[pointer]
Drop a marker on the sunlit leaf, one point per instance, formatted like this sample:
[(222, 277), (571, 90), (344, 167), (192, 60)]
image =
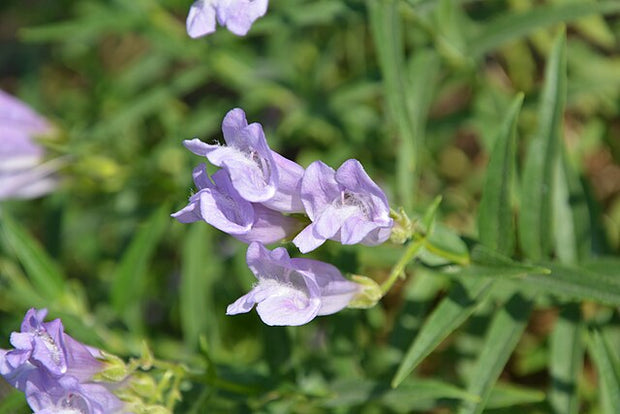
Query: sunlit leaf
[(502, 337), (535, 219)]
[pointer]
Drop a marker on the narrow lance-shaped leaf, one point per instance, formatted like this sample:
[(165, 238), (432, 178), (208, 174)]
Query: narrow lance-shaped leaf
[(566, 360), (538, 174), (512, 26), (576, 283), (505, 395), (572, 232), (607, 367), (387, 35), (346, 393), (451, 312), (198, 269), (502, 337), (128, 282), (495, 216), (41, 269)]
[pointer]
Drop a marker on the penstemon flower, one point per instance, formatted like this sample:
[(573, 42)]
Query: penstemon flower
[(54, 370), (259, 174), (220, 205), (22, 173), (236, 15), (344, 205), (292, 291)]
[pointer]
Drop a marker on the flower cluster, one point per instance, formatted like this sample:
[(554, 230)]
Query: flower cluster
[(55, 371), (257, 196), (22, 173), (236, 15)]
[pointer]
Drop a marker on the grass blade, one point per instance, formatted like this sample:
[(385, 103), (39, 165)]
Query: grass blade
[(566, 349), (129, 280), (445, 318), (502, 337), (346, 393), (195, 279), (577, 283), (607, 366), (507, 395), (387, 36), (513, 26), (538, 173), (572, 231), (495, 215), (43, 272)]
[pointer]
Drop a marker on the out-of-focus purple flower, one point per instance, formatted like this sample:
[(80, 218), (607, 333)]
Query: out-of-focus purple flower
[(54, 370), (259, 174), (344, 205), (292, 291), (22, 174), (220, 205), (236, 15)]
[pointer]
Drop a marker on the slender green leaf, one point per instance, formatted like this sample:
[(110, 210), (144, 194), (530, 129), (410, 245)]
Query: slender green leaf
[(608, 373), (502, 337), (507, 395), (196, 309), (494, 271), (495, 215), (566, 360), (423, 75), (445, 318), (535, 213), (606, 265), (577, 283), (512, 26), (129, 280), (11, 400), (355, 392), (387, 36), (41, 269), (571, 216), (489, 263)]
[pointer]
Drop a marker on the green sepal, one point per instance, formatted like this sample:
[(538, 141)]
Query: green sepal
[(369, 294)]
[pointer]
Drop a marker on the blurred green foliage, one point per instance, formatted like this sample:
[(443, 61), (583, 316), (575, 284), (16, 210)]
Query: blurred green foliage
[(422, 93)]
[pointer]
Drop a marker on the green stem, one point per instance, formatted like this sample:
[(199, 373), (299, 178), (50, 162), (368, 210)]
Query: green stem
[(399, 268), (459, 260), (412, 250)]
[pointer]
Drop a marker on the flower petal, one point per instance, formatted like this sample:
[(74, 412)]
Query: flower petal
[(287, 197), (336, 292), (288, 306), (201, 19), (269, 226), (239, 16), (308, 239), (318, 188)]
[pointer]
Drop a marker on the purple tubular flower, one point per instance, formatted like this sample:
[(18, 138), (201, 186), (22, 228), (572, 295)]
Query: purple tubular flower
[(22, 174), (55, 370), (236, 15), (344, 205), (220, 205), (292, 291), (67, 395), (258, 174)]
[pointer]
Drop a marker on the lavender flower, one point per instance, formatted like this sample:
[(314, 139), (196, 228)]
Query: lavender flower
[(236, 15), (54, 370), (220, 205), (22, 174), (344, 205), (258, 174), (292, 291)]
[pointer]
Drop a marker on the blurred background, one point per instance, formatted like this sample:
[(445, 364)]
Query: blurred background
[(124, 85)]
